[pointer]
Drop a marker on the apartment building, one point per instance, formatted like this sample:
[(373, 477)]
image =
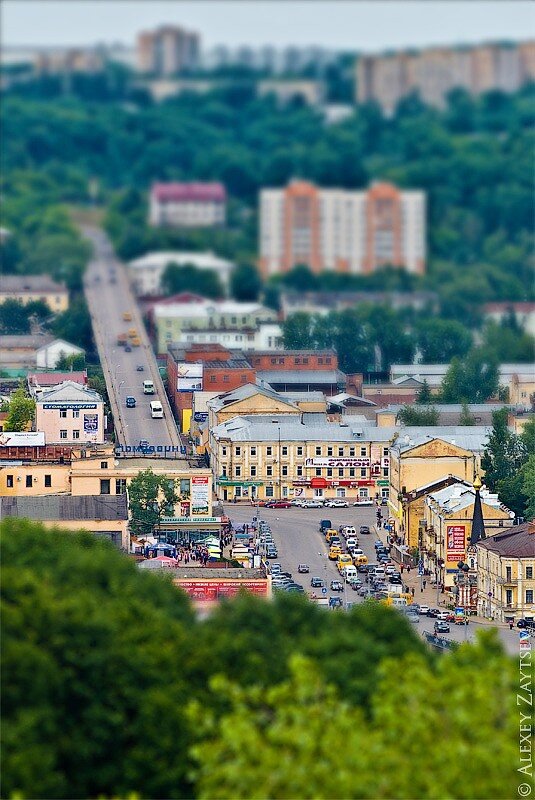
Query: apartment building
[(505, 574), (32, 288), (70, 413), (187, 205), (168, 50), (436, 71), (338, 230)]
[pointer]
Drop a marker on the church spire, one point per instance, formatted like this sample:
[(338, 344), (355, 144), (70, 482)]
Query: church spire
[(478, 525)]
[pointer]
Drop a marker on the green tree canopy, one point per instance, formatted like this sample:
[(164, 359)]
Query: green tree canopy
[(439, 340), (245, 283), (183, 278), (150, 498), (473, 379), (21, 411), (424, 395), (411, 415)]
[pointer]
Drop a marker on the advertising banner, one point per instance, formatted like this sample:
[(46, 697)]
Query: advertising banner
[(456, 538), (199, 494), (213, 590), (66, 406), (22, 439), (90, 423), (189, 378), (337, 462), (200, 416)]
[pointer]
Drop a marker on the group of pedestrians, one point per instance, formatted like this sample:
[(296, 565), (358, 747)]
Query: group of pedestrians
[(193, 554)]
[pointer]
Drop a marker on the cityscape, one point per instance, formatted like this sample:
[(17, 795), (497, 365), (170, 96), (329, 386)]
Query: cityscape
[(267, 402)]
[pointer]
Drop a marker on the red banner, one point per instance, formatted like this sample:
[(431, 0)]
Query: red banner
[(213, 590), (456, 543)]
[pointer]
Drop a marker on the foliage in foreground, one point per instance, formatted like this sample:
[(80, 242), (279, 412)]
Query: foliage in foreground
[(112, 686)]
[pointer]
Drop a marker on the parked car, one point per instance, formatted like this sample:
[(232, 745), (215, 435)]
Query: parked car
[(441, 627), (312, 504), (443, 615), (525, 623), (335, 602), (140, 368), (363, 503), (336, 503), (413, 616), (302, 568), (278, 504), (364, 529), (317, 583), (128, 349)]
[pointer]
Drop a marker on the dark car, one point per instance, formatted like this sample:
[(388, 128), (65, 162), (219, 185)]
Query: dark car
[(441, 627), (335, 602), (128, 349), (303, 568), (317, 583), (525, 623), (364, 529), (278, 504), (433, 612), (130, 402), (272, 554), (140, 368)]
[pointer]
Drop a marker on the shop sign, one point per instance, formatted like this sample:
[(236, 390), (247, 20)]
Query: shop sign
[(200, 416), (182, 520), (90, 423), (337, 462), (22, 439), (456, 538), (65, 406), (200, 494), (189, 378), (213, 590)]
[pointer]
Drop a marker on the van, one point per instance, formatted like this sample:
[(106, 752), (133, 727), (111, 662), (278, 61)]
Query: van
[(330, 533), (148, 387), (349, 572), (349, 530), (344, 560), (156, 409), (334, 552), (359, 561), (127, 316), (325, 524)]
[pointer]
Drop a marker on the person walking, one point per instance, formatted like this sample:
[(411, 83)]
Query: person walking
[(424, 583)]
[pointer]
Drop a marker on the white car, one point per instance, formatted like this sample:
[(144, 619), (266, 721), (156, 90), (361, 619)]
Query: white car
[(337, 503), (363, 503), (423, 610), (352, 541), (443, 615), (312, 504)]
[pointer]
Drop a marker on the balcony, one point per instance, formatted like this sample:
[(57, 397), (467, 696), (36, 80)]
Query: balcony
[(507, 581)]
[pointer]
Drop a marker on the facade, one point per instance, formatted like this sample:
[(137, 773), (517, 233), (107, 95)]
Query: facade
[(71, 413), (448, 516), (266, 335), (102, 517), (49, 355), (285, 91), (297, 455), (516, 378), (191, 319), (412, 523), (61, 62), (167, 51), (505, 574), (436, 71), (187, 205), (324, 302), (524, 313), (339, 230), (31, 288), (146, 272)]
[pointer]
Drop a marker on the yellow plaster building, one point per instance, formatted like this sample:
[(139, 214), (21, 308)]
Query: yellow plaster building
[(30, 288)]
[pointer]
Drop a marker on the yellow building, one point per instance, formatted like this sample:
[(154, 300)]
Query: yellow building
[(247, 400), (420, 456), (106, 517), (448, 515), (31, 288), (505, 579), (413, 510)]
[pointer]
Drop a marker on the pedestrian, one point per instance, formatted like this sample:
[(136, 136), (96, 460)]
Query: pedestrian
[(408, 568), (510, 626), (412, 590), (402, 567), (424, 582)]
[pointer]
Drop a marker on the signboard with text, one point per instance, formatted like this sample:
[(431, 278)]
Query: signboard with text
[(337, 462), (189, 377), (214, 590), (456, 539), (90, 423), (22, 439), (200, 494)]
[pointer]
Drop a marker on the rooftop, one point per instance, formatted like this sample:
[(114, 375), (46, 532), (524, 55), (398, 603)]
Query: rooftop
[(189, 192), (20, 284), (201, 307), (299, 428), (243, 393), (467, 437), (54, 378), (66, 507), (518, 542), (452, 499), (161, 259), (70, 390), (29, 341), (302, 376)]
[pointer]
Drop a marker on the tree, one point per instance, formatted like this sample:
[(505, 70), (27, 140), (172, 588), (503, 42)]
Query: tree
[(508, 342), (409, 415), (150, 498), (424, 395), (13, 318), (245, 283), (298, 331), (472, 379), (466, 418), (439, 340), (504, 453), (76, 361), (21, 411), (528, 486), (74, 325), (188, 278)]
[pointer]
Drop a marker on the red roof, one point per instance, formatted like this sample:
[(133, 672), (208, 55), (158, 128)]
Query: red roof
[(55, 378), (189, 192)]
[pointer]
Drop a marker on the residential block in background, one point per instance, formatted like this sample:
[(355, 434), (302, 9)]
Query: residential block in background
[(168, 50), (187, 205)]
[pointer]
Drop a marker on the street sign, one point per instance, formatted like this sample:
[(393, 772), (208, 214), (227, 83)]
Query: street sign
[(324, 590)]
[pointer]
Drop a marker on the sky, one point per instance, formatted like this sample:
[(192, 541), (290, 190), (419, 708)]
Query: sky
[(345, 24)]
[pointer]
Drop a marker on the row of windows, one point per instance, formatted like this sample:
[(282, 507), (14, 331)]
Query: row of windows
[(29, 479), (63, 414), (105, 486), (63, 434), (340, 451), (299, 471)]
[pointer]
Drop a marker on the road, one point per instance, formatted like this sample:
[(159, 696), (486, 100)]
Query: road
[(109, 296), (296, 534)]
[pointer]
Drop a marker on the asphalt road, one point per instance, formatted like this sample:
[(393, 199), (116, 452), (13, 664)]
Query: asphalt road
[(296, 534), (109, 295)]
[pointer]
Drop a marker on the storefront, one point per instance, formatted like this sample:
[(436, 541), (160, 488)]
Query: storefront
[(183, 530), (239, 490)]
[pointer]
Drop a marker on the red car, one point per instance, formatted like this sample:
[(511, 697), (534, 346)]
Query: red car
[(278, 504)]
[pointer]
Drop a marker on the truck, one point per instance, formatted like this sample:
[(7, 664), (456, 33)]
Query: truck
[(122, 339)]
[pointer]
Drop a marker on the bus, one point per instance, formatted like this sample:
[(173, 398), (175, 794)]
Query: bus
[(156, 409), (148, 387)]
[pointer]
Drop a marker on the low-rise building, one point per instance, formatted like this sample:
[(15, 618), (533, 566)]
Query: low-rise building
[(71, 413), (187, 205), (31, 288), (323, 302), (264, 335), (505, 574), (146, 271), (448, 413), (448, 518), (40, 382), (287, 90), (103, 517), (34, 351), (412, 523), (523, 313)]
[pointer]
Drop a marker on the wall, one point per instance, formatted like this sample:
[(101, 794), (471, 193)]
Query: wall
[(50, 422)]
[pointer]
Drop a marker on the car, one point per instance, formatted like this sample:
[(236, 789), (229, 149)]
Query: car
[(525, 623), (337, 586), (140, 368), (128, 349), (443, 615), (395, 579), (352, 541), (377, 543), (272, 554), (278, 504), (433, 612), (335, 602), (275, 569), (364, 529), (144, 443), (297, 502), (312, 504), (295, 588), (441, 627), (302, 568), (336, 503), (130, 402), (461, 621), (413, 616), (317, 583), (450, 616), (423, 610)]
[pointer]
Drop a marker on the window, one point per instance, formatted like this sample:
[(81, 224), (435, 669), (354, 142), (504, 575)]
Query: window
[(508, 597), (363, 472), (269, 491), (29, 481), (285, 472), (351, 451), (226, 378), (284, 451), (508, 574), (305, 361), (340, 492), (104, 486), (273, 360), (299, 451), (48, 481), (9, 481), (63, 413), (341, 472), (529, 573), (363, 494), (351, 472), (63, 434), (299, 471), (253, 451), (238, 451), (318, 451), (223, 451), (318, 472), (340, 451), (318, 492), (269, 451), (385, 472), (529, 596), (212, 378), (103, 465), (224, 471), (363, 451), (328, 360), (329, 473), (76, 434), (76, 415), (252, 470), (385, 451), (320, 360), (120, 486), (237, 472), (269, 471), (329, 451)]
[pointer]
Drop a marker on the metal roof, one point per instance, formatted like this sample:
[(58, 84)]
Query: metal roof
[(69, 390), (518, 542), (457, 496), (467, 437), (243, 393), (57, 507), (305, 428), (302, 376)]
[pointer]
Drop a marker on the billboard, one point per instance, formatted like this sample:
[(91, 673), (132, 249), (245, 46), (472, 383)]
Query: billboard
[(189, 377), (214, 590), (456, 538), (200, 486), (22, 439), (337, 462), (90, 423)]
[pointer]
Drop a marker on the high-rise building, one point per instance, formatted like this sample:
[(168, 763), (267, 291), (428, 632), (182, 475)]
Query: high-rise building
[(167, 51), (340, 230), (434, 72)]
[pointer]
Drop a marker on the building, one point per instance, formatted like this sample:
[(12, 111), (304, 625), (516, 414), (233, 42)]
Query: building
[(448, 515), (337, 230), (448, 413), (169, 50), (436, 71), (187, 205), (523, 313), (37, 350), (71, 413), (39, 382), (61, 62), (505, 580), (34, 288), (412, 522), (286, 91), (146, 272), (48, 356), (106, 517), (303, 371), (267, 335), (296, 455), (191, 319), (323, 303)]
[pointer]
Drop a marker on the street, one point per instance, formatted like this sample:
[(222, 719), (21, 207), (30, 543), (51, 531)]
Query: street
[(296, 534), (109, 296)]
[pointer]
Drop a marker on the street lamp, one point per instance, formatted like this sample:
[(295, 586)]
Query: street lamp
[(117, 367)]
